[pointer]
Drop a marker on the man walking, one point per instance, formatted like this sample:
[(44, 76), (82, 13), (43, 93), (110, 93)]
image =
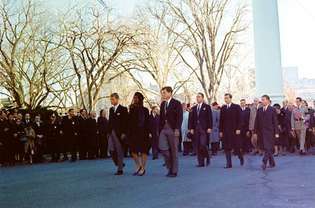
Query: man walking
[(230, 130), (117, 122), (266, 126), (200, 125), (171, 117)]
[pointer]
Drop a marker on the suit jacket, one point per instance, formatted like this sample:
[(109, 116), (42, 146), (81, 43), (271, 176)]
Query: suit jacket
[(287, 119), (266, 126), (298, 113), (245, 115), (229, 123), (154, 123), (203, 118), (70, 127), (252, 117), (118, 120), (173, 114)]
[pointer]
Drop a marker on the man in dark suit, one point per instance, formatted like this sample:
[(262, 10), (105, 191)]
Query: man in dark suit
[(154, 122), (83, 135), (117, 125), (200, 125), (70, 133), (287, 126), (266, 126), (171, 117), (230, 130), (244, 119)]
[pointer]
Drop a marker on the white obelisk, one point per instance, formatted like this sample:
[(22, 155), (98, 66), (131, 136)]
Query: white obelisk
[(267, 50)]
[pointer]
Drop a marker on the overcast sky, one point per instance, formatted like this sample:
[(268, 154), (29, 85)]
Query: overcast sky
[(297, 30)]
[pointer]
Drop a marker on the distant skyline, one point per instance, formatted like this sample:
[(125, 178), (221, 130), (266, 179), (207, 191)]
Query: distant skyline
[(296, 18)]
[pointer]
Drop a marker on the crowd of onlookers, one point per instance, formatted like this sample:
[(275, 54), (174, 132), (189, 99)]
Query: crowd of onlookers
[(26, 137)]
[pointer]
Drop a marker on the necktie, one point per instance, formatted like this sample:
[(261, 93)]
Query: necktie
[(166, 106), (198, 109)]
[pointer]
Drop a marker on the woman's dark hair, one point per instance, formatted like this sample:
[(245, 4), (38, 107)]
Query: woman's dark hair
[(101, 112), (140, 97)]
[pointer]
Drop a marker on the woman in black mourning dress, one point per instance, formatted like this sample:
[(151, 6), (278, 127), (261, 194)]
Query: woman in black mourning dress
[(138, 136)]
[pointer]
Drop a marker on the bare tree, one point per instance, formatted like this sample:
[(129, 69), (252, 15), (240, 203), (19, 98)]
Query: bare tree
[(156, 59), (29, 62), (97, 47), (207, 32)]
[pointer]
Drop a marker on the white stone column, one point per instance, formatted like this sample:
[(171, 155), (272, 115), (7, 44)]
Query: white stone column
[(267, 50)]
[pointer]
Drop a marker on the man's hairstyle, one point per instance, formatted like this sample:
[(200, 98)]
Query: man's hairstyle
[(277, 106), (115, 95), (266, 96), (82, 110), (228, 94), (167, 89), (299, 98), (201, 94), (214, 104), (71, 109), (243, 100)]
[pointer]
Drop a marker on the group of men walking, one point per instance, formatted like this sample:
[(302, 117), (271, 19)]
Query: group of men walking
[(260, 128)]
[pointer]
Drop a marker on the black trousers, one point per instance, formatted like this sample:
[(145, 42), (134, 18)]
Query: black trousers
[(268, 157), (102, 146), (228, 155), (201, 138), (215, 147)]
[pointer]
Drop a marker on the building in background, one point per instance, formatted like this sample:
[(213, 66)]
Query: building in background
[(302, 87)]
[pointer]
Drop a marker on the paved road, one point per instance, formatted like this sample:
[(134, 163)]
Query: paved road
[(92, 184)]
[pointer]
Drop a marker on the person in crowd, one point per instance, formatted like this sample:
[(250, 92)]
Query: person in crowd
[(118, 116), (298, 123), (244, 119), (186, 136), (200, 126), (39, 129), (92, 136), (5, 139), (12, 139), (102, 128), (230, 130), (255, 141), (21, 139), (286, 128), (30, 144), (53, 137), (70, 134), (27, 119), (83, 134), (154, 120), (214, 136), (171, 118), (266, 126), (280, 120), (138, 133), (307, 120)]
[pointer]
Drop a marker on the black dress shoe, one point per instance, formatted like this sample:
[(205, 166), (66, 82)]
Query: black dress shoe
[(136, 173), (119, 172), (208, 162), (172, 175), (242, 161), (200, 165), (141, 174), (228, 166), (263, 166)]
